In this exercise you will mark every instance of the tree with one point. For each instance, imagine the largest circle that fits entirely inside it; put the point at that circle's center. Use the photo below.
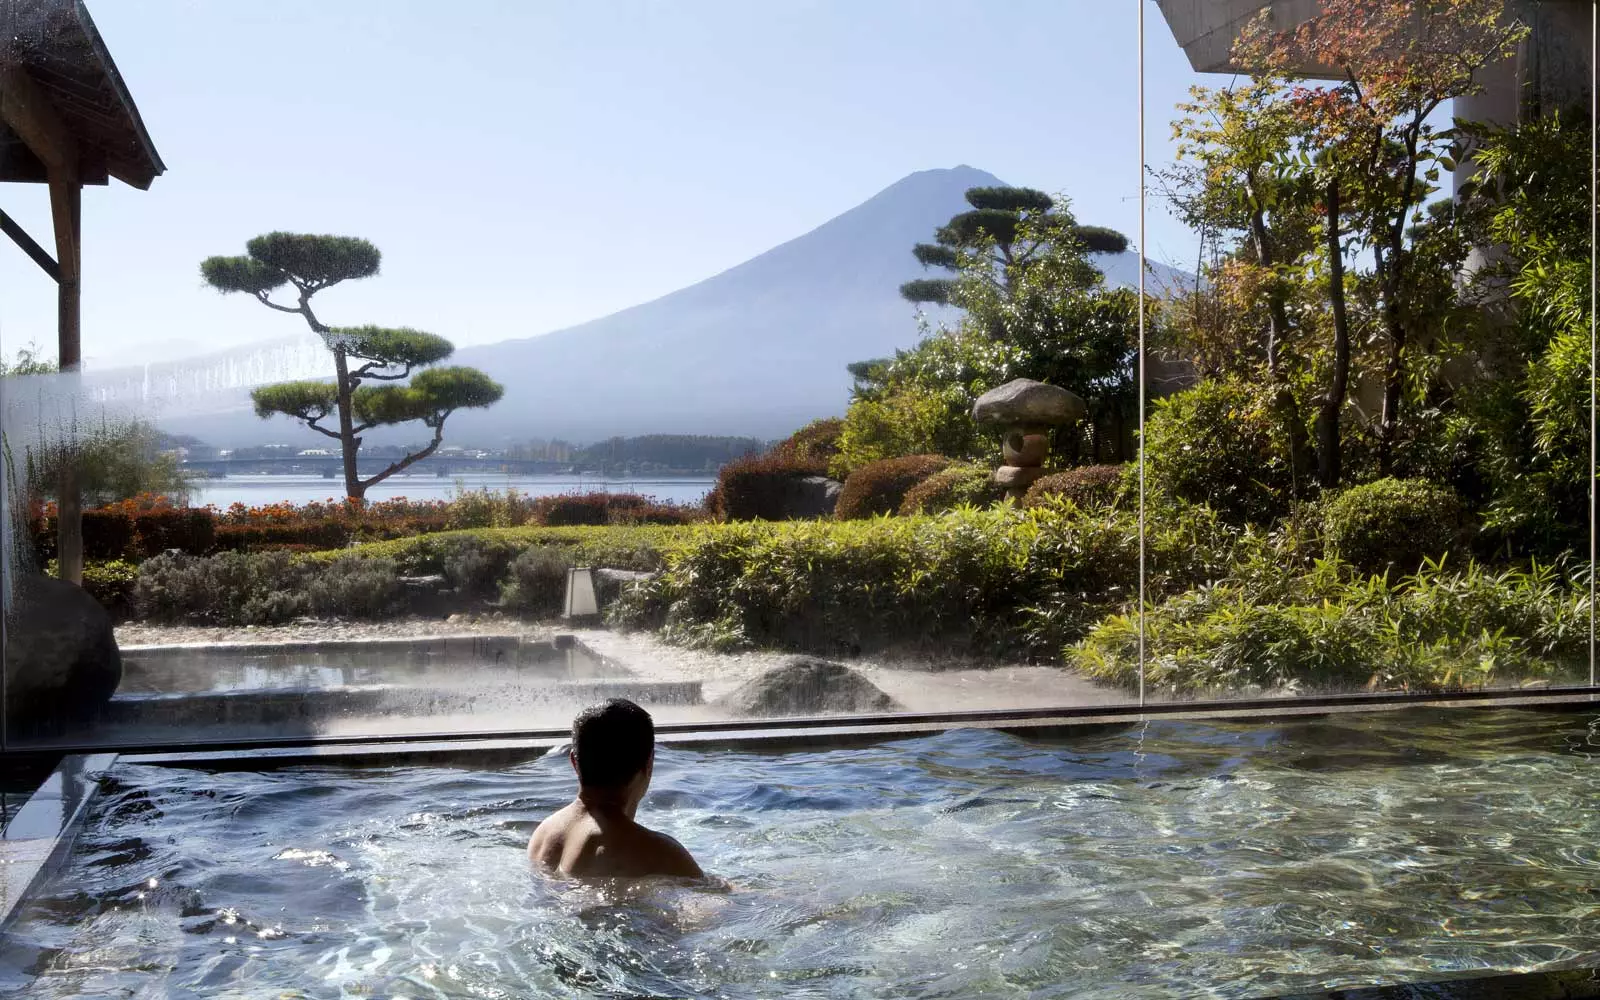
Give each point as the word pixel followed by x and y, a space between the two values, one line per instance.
pixel 1398 62
pixel 998 240
pixel 361 355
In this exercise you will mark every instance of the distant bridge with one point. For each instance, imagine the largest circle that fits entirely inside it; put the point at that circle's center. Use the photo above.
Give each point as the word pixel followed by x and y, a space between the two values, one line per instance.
pixel 332 466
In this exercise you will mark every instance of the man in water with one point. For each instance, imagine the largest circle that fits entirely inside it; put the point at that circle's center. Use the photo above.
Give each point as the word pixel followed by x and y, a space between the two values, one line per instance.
pixel 613 752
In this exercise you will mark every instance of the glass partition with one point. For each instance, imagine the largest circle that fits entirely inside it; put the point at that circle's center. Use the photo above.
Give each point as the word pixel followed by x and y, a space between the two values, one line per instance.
pixel 331 454
pixel 1372 467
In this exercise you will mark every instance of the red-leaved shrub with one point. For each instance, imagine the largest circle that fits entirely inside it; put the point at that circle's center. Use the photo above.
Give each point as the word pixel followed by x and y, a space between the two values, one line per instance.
pixel 880 487
pixel 1086 486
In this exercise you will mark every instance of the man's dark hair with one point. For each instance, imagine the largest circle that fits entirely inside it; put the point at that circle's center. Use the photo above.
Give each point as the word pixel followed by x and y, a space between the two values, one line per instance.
pixel 611 743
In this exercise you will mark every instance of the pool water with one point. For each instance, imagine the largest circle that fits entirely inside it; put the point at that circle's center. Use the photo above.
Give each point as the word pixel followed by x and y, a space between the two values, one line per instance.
pixel 1167 860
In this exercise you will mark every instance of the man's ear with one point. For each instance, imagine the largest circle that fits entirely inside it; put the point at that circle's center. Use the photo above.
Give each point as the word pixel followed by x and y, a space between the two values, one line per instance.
pixel 572 757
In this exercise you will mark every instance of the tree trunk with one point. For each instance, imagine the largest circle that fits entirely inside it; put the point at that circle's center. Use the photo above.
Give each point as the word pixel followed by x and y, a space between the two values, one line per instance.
pixel 1283 401
pixel 349 444
pixel 1328 442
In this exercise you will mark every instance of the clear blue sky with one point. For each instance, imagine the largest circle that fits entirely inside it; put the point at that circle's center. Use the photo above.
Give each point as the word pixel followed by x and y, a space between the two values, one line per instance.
pixel 528 165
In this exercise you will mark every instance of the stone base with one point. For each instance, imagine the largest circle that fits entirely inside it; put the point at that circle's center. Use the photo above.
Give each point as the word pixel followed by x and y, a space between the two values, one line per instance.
pixel 1017 478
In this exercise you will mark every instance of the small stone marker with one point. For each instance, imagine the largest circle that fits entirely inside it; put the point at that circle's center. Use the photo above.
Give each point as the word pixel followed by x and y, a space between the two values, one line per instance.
pixel 1025 410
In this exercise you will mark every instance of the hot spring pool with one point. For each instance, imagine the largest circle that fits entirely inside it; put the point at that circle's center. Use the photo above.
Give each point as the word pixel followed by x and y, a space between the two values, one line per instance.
pixel 1176 859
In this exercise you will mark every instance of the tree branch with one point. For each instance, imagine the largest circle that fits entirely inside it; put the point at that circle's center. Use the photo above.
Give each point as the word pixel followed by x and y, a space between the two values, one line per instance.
pixel 311 422
pixel 409 460
pixel 371 368
pixel 262 298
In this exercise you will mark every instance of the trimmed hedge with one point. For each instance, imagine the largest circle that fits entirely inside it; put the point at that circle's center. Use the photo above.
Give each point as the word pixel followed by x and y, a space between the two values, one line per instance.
pixel 960 485
pixel 1086 486
pixel 758 488
pixel 1391 524
pixel 880 487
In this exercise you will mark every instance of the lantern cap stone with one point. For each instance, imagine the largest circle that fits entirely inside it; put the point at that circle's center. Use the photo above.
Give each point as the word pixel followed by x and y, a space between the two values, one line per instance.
pixel 1025 401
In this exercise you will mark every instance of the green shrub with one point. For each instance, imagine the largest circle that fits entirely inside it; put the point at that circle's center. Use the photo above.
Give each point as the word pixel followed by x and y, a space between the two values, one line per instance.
pixel 1000 581
pixel 1086 486
pixel 233 588
pixel 536 580
pixel 110 582
pixel 1273 626
pixel 1391 524
pixel 354 587
pixel 910 421
pixel 960 485
pixel 880 487
pixel 1219 444
pixel 472 567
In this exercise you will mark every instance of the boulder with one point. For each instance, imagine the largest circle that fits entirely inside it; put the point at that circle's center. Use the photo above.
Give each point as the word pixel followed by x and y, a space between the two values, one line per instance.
pixel 61 659
pixel 805 686
pixel 810 496
pixel 1025 402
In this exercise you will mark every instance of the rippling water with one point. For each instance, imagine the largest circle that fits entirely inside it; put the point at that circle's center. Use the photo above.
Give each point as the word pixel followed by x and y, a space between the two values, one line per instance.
pixel 1177 859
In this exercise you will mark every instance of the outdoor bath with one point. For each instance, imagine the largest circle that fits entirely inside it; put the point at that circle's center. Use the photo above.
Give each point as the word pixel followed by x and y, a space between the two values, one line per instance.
pixel 1162 859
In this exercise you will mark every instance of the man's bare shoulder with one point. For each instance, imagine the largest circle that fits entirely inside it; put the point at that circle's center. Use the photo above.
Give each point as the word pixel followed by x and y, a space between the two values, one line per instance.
pixel 671 857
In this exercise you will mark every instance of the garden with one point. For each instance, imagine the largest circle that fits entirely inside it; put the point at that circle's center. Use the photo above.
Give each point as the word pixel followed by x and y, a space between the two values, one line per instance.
pixel 1368 468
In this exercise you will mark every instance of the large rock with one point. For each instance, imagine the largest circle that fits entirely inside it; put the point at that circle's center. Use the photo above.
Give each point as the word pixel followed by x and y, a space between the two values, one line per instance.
pixel 804 686
pixel 1025 402
pixel 810 496
pixel 61 658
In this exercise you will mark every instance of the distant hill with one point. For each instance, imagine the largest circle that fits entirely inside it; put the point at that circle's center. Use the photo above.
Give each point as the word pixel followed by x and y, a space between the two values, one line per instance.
pixel 757 351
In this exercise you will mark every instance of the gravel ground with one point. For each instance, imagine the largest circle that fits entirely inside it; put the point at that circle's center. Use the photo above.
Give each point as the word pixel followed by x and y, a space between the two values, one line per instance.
pixel 917 686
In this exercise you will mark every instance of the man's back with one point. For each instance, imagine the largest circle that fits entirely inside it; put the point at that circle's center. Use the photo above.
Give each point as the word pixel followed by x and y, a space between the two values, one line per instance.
pixel 601 844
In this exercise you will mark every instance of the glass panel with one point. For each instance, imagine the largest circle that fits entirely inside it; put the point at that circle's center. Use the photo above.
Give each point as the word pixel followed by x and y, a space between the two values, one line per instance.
pixel 1370 470
pixel 713 463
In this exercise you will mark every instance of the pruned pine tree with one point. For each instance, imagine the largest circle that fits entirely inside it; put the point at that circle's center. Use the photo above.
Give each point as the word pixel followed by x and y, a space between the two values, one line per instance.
pixel 372 364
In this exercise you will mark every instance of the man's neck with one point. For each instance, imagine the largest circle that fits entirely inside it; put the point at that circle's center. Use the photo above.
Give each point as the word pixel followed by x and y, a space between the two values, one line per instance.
pixel 607 803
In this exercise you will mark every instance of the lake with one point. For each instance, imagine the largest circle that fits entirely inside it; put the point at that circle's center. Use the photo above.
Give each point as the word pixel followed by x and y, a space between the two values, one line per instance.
pixel 258 490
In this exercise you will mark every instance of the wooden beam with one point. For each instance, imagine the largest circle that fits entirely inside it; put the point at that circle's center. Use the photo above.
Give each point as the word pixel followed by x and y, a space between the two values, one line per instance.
pixel 66 208
pixel 20 237
pixel 24 107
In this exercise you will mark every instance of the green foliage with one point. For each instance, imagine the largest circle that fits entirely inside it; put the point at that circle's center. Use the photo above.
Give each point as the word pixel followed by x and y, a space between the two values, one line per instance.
pixel 1001 581
pixel 1391 524
pixel 316 261
pixel 114 460
pixel 30 361
pixel 880 487
pixel 391 346
pixel 1218 444
pixel 1276 626
pixel 110 582
pixel 309 400
pixel 1086 486
pixel 911 421
pixel 263 588
pixel 537 580
pixel 964 485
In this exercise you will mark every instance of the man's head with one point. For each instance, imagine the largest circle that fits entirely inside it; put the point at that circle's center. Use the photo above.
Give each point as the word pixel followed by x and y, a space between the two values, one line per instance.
pixel 612 744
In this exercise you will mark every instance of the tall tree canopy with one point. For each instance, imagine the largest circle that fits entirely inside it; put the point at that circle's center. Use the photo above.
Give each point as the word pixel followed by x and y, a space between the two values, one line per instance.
pixel 999 239
pixel 371 363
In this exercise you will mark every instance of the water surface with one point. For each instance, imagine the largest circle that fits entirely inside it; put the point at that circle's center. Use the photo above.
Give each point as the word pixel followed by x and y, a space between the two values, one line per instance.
pixel 1171 860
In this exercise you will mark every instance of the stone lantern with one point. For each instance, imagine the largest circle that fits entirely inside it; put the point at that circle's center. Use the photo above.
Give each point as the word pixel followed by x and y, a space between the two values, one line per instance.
pixel 1025 410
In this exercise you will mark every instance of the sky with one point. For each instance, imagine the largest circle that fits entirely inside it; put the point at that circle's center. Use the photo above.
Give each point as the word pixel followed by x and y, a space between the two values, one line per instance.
pixel 525 166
